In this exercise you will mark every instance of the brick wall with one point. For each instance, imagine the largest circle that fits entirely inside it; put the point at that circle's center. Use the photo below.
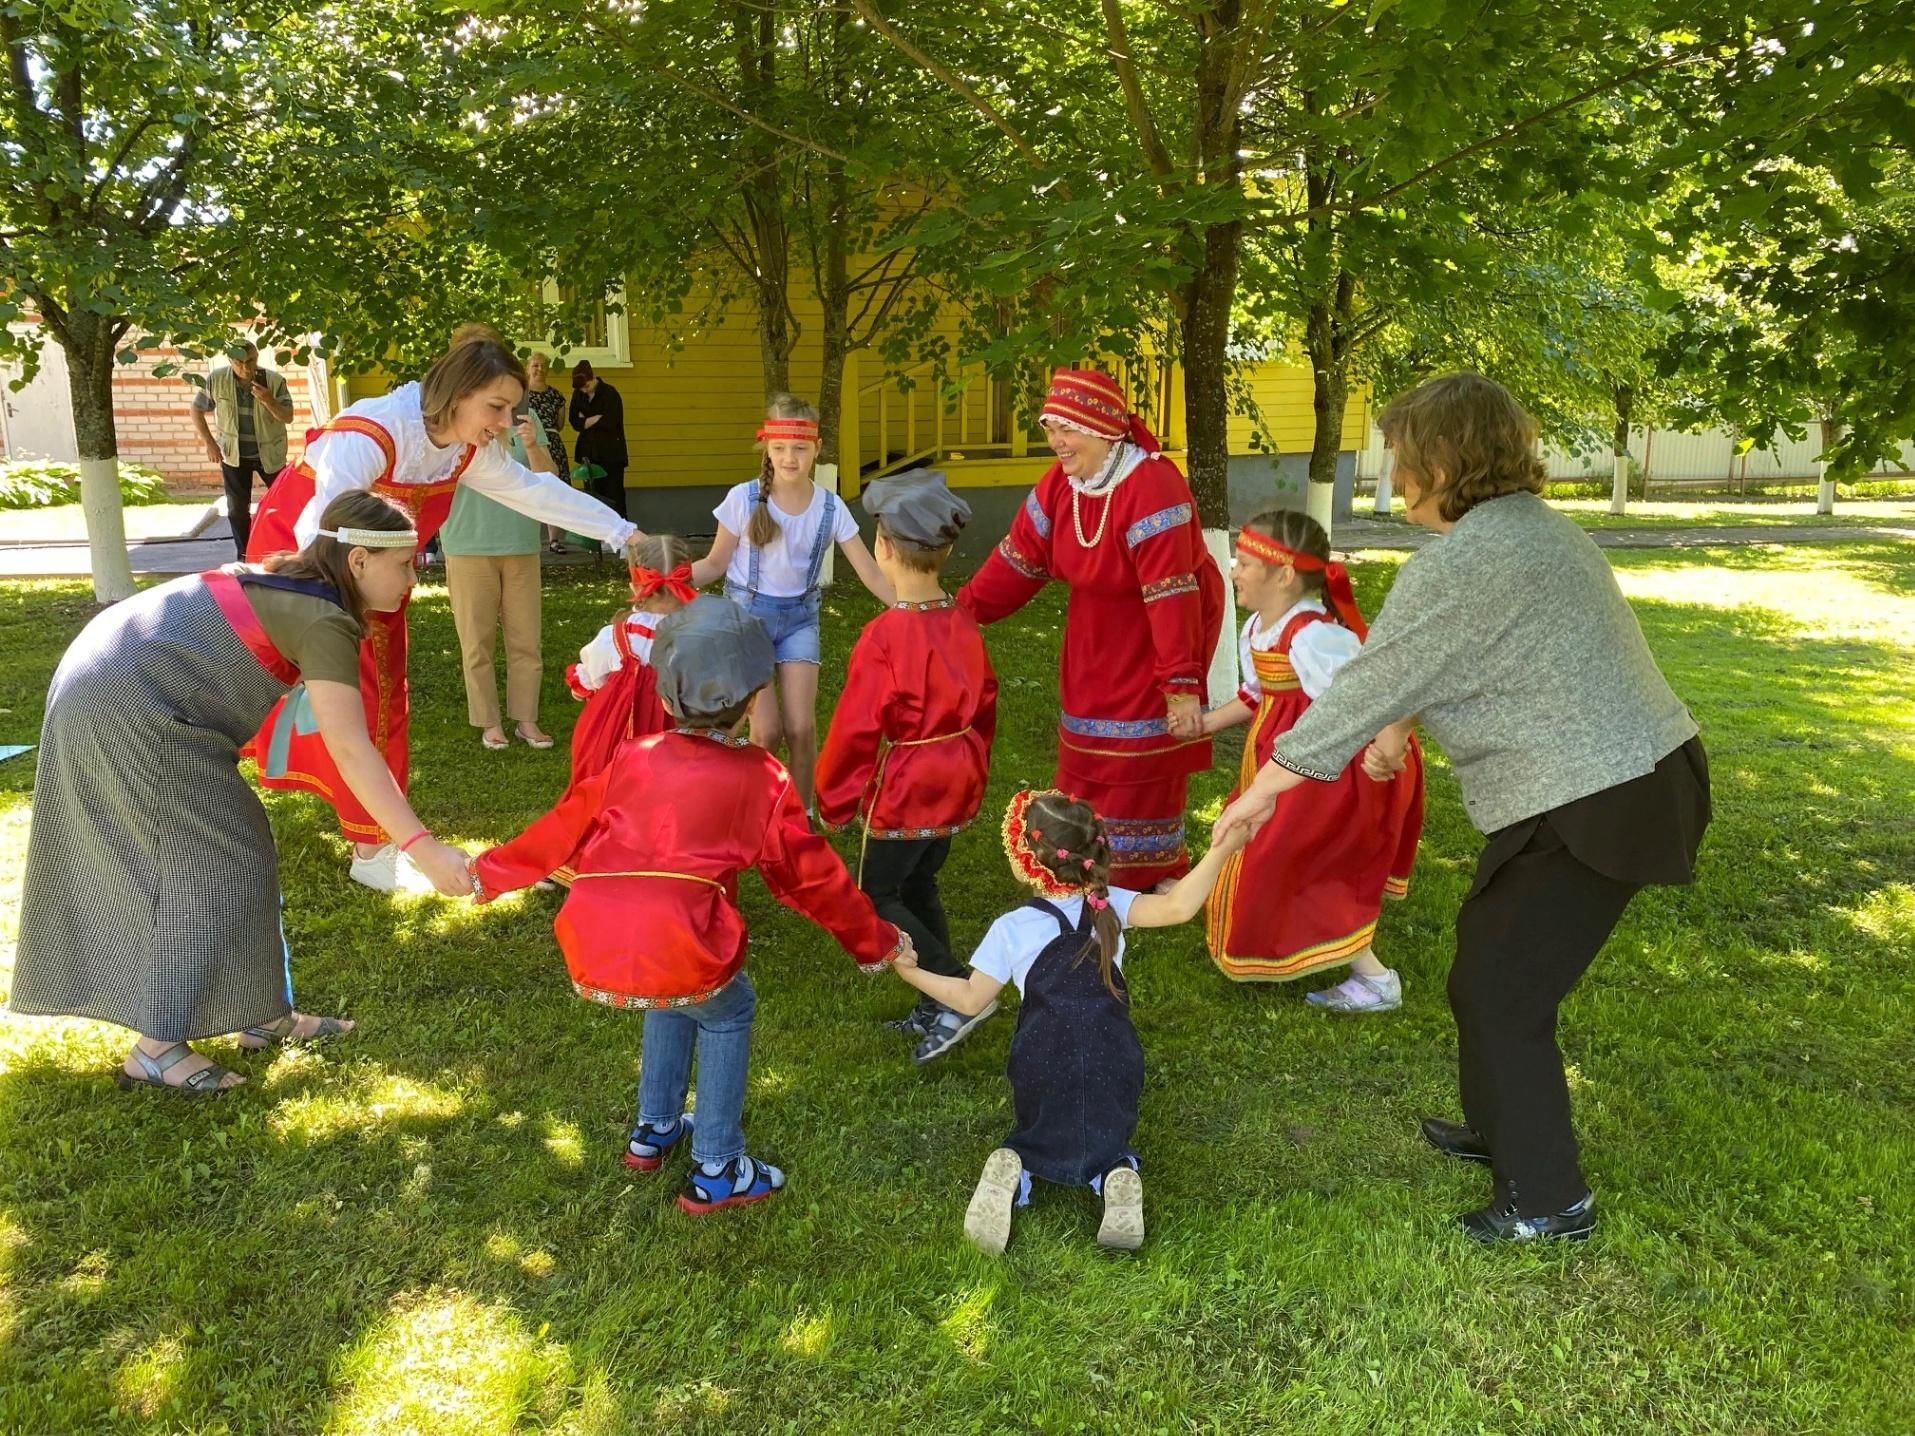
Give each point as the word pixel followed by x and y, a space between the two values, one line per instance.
pixel 155 421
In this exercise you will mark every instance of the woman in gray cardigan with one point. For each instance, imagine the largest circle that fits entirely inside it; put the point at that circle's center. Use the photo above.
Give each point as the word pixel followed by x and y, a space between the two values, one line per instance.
pixel 1508 639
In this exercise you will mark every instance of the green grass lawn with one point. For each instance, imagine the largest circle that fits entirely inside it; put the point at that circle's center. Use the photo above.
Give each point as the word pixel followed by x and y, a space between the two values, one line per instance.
pixel 1722 512
pixel 426 1227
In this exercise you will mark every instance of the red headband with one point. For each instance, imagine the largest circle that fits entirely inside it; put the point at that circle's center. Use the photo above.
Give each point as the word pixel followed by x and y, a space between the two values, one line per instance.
pixel 1336 578
pixel 648 581
pixel 804 431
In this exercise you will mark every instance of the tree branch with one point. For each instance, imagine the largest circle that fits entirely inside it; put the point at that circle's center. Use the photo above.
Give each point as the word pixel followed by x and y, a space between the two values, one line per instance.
pixel 126 148
pixel 983 106
pixel 723 102
pixel 1134 98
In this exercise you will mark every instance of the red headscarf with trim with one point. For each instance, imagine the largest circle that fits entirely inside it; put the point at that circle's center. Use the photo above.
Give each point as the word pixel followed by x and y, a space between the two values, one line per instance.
pixel 1095 402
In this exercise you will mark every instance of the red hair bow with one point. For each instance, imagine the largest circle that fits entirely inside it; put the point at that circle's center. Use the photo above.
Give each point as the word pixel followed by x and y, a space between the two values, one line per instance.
pixel 678 583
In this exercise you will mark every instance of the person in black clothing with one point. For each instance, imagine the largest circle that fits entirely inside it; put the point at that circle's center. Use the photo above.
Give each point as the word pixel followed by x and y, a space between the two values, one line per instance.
pixel 598 413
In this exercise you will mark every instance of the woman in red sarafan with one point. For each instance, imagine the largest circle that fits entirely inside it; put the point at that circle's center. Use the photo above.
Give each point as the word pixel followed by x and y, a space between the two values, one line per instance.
pixel 1114 519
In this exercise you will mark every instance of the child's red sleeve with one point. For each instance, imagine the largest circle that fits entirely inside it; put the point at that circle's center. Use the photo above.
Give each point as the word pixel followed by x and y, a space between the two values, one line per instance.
pixel 804 873
pixel 857 732
pixel 544 847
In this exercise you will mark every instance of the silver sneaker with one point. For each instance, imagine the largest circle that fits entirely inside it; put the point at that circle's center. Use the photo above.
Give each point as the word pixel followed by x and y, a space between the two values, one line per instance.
pixel 1358 993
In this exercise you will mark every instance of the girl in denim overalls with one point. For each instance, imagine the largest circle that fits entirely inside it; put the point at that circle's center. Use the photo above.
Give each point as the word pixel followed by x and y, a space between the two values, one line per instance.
pixel 773 534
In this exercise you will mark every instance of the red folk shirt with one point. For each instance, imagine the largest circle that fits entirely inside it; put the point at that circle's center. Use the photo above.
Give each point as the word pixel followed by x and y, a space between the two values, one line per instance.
pixel 910 741
pixel 1146 606
pixel 661 835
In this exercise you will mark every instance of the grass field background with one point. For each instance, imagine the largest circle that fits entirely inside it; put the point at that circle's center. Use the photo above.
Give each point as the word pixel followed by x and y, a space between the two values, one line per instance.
pixel 426 1227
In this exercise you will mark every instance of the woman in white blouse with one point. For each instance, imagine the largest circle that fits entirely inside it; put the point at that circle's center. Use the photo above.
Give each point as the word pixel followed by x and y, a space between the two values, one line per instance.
pixel 415 445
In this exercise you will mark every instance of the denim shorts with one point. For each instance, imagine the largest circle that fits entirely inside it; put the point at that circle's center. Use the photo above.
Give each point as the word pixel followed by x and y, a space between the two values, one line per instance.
pixel 792 622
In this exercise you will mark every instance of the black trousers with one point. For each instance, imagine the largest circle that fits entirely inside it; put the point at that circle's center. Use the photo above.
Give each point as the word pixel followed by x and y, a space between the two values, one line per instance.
pixel 901 879
pixel 238 479
pixel 610 490
pixel 1548 893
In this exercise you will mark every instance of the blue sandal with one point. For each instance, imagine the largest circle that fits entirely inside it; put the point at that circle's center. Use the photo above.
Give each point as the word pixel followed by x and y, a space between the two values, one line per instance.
pixel 645 1152
pixel 204 1083
pixel 742 1182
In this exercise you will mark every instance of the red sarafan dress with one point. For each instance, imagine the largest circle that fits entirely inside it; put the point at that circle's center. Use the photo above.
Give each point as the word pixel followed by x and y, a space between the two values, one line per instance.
pixel 1305 893
pixel 1146 603
pixel 382 444
pixel 615 677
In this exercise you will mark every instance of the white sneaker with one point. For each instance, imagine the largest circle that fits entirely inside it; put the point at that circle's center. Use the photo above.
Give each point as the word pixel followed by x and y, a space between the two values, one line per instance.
pixel 987 1222
pixel 1123 1224
pixel 389 871
pixel 1358 993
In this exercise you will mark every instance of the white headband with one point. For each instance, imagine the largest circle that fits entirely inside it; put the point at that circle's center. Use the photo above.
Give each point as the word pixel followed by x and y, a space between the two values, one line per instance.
pixel 373 538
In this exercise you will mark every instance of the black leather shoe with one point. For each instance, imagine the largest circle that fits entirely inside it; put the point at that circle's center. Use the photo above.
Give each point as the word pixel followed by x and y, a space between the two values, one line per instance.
pixel 1453 1139
pixel 1499 1222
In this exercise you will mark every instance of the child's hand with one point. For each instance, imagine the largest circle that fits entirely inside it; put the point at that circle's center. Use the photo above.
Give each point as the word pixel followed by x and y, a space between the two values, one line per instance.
pixel 1385 758
pixel 907 954
pixel 1229 840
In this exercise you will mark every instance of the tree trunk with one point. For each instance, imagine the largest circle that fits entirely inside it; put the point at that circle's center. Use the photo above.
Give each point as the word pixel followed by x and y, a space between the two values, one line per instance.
pixel 755 32
pixel 1327 341
pixel 88 342
pixel 1206 356
pixel 834 293
pixel 1825 487
pixel 1624 397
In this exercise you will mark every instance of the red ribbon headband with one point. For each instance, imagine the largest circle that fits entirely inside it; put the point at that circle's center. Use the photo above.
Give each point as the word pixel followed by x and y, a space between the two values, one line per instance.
pixel 1336 578
pixel 648 581
pixel 804 431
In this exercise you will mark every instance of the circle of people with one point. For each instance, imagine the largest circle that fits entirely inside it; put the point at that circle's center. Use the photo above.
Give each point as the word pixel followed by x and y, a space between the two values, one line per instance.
pixel 152 895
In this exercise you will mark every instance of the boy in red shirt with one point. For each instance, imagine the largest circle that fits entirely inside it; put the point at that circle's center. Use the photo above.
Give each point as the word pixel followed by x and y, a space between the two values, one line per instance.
pixel 652 919
pixel 910 742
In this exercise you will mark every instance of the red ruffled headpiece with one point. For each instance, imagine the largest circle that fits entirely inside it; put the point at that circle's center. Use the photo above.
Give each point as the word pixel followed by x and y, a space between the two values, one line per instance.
pixel 1095 402
pixel 1017 847
pixel 1336 578
pixel 678 583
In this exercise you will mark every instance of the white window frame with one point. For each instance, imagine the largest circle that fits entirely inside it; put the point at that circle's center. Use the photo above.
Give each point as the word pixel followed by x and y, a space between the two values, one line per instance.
pixel 615 353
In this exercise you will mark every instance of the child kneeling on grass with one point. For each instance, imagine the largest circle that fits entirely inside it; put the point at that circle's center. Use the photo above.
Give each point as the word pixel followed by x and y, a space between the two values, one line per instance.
pixel 1076 1068
pixel 652 919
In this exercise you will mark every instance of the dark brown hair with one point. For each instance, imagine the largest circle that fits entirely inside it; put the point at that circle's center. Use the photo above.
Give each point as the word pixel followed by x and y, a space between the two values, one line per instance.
pixel 763 528
pixel 1465 437
pixel 1295 529
pixel 478 357
pixel 324 559
pixel 1076 850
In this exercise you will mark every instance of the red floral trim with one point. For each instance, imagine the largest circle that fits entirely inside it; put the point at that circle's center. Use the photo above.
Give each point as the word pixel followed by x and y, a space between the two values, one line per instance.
pixel 1017 848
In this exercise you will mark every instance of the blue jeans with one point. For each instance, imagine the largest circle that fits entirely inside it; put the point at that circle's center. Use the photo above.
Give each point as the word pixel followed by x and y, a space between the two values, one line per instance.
pixel 721 1028
pixel 792 623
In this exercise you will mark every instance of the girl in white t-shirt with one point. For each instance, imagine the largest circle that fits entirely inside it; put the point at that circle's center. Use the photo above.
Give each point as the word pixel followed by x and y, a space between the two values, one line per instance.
pixel 773 534
pixel 1076 1068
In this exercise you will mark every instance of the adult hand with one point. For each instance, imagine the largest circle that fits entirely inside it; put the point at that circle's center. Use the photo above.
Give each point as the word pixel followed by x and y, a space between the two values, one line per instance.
pixel 631 545
pixel 1249 813
pixel 260 391
pixel 213 451
pixel 1229 840
pixel 528 438
pixel 1387 755
pixel 444 865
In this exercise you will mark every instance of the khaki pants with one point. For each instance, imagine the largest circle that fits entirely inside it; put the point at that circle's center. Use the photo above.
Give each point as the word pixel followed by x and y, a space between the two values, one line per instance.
pixel 486 592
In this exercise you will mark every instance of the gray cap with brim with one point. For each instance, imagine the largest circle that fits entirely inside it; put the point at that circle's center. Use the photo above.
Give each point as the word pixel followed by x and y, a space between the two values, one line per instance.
pixel 710 656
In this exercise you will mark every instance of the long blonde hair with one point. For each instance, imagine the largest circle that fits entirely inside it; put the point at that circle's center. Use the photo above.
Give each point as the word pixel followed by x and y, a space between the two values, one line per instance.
pixel 763 528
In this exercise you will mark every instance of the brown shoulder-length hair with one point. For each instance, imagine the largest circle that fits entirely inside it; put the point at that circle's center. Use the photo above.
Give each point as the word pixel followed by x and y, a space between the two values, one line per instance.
pixel 324 559
pixel 478 357
pixel 1465 437
pixel 1076 849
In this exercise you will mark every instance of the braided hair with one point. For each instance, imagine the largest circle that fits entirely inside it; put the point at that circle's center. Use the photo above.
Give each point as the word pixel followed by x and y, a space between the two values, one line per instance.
pixel 1295 529
pixel 1075 849
pixel 763 528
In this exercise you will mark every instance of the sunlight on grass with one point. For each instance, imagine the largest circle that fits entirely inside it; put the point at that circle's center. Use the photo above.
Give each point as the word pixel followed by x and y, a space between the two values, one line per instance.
pixel 970 1325
pixel 1887 914
pixel 1820 597
pixel 322 1116
pixel 678 1404
pixel 88 1277
pixel 564 1141
pixel 504 1247
pixel 13 1239
pixel 148 1379
pixel 444 1364
pixel 808 1334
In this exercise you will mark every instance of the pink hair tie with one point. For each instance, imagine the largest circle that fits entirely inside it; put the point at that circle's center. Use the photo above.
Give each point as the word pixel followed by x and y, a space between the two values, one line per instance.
pixel 1100 903
pixel 1063 853
pixel 1089 863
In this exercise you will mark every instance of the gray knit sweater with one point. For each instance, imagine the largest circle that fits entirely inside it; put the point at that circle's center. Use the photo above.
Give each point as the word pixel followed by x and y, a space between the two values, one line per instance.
pixel 1510 640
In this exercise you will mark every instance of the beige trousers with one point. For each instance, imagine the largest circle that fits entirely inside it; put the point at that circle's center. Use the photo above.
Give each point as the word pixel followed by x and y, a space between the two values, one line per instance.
pixel 489 592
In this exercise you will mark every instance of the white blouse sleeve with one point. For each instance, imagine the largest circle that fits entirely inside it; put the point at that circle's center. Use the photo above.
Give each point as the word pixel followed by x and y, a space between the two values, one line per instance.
pixel 598 660
pixel 996 956
pixel 545 497
pixel 341 461
pixel 1319 652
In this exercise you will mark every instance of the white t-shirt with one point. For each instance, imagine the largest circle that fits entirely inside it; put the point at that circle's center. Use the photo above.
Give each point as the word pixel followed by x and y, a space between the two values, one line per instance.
pixel 1318 652
pixel 1012 946
pixel 599 659
pixel 784 566
pixel 342 461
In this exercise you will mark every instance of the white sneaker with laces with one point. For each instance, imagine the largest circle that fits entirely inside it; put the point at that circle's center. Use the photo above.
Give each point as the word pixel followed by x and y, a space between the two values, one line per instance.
pixel 1358 993
pixel 388 871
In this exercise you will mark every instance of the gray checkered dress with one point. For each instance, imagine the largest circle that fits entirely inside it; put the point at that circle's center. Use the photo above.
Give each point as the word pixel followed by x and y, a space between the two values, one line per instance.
pixel 152 885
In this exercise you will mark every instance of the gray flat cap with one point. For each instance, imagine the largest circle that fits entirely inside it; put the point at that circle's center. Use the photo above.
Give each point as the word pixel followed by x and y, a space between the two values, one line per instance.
pixel 710 655
pixel 918 507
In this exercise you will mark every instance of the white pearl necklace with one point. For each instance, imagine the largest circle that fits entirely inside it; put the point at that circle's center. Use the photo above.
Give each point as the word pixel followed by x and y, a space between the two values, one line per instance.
pixel 1103 518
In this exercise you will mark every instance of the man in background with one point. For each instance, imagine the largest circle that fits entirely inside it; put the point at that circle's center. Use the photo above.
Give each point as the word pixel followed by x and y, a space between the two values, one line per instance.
pixel 252 407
